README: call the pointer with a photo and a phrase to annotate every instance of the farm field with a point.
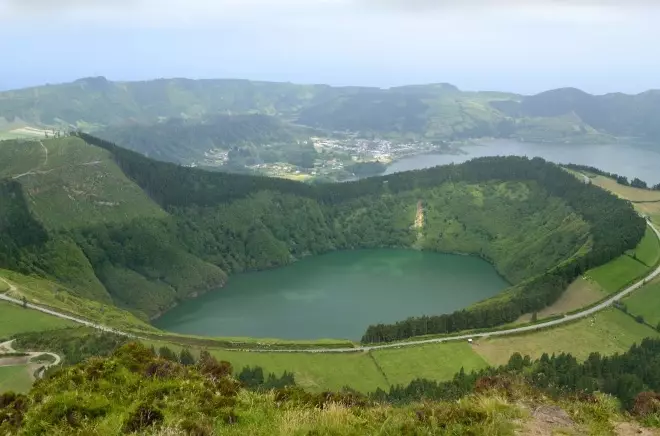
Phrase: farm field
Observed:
(15, 319)
(581, 293)
(434, 362)
(627, 192)
(14, 378)
(645, 302)
(316, 372)
(625, 269)
(648, 251)
(607, 332)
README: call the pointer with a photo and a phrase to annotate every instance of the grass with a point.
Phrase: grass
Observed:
(434, 362)
(622, 271)
(607, 332)
(79, 186)
(581, 293)
(47, 293)
(627, 192)
(364, 372)
(14, 319)
(648, 251)
(616, 274)
(14, 378)
(313, 371)
(645, 302)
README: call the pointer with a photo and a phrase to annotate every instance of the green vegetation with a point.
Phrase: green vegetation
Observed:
(433, 362)
(648, 251)
(14, 319)
(134, 391)
(645, 302)
(196, 227)
(15, 379)
(435, 111)
(607, 332)
(230, 141)
(615, 275)
(73, 344)
(49, 294)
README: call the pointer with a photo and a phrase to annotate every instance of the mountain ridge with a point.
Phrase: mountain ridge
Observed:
(437, 111)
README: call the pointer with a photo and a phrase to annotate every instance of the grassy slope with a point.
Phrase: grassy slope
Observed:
(46, 293)
(71, 186)
(581, 293)
(15, 319)
(607, 332)
(14, 378)
(80, 185)
(623, 270)
(433, 362)
(646, 302)
(315, 372)
(648, 250)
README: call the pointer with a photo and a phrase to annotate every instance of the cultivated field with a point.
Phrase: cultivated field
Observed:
(606, 332)
(615, 275)
(316, 372)
(434, 362)
(362, 371)
(15, 319)
(14, 378)
(627, 192)
(581, 293)
(646, 303)
(648, 250)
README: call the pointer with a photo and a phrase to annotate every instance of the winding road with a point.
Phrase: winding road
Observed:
(6, 347)
(529, 328)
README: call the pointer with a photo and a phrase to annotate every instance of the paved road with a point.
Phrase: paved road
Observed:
(6, 347)
(101, 327)
(524, 329)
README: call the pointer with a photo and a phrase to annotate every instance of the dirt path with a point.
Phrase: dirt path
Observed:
(419, 218)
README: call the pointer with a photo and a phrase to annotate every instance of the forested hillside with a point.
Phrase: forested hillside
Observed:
(431, 112)
(188, 228)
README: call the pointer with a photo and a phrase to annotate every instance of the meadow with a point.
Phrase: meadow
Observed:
(14, 319)
(607, 332)
(627, 268)
(14, 378)
(645, 302)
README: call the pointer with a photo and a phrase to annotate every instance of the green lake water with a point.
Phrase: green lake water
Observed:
(336, 295)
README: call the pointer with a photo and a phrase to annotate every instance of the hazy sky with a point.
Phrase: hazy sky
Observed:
(515, 45)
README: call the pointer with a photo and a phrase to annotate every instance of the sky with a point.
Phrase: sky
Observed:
(524, 46)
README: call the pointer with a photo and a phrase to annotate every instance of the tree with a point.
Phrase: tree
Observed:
(638, 183)
(186, 358)
(639, 319)
(168, 354)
